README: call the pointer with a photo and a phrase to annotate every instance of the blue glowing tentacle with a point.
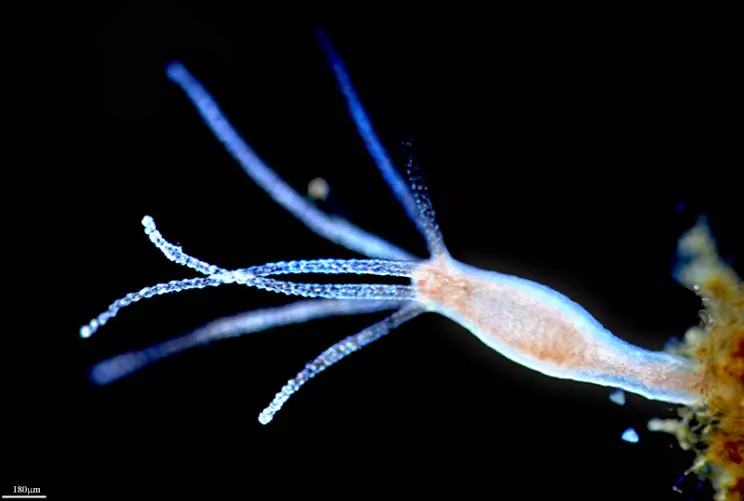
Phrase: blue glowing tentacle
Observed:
(338, 291)
(336, 353)
(367, 132)
(432, 233)
(380, 267)
(254, 277)
(247, 277)
(228, 327)
(91, 327)
(176, 254)
(335, 229)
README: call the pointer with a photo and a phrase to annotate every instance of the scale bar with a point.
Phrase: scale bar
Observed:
(27, 496)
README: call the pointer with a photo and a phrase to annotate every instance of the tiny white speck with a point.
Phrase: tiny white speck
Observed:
(630, 435)
(617, 397)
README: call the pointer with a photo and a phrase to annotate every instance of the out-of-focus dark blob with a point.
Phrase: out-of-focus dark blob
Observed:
(134, 44)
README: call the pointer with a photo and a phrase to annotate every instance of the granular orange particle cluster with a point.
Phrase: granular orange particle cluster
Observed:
(714, 427)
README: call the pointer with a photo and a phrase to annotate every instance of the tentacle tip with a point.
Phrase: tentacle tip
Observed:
(148, 222)
(116, 368)
(99, 374)
(265, 418)
(321, 36)
(175, 70)
(86, 331)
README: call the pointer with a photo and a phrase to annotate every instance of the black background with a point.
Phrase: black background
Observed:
(575, 160)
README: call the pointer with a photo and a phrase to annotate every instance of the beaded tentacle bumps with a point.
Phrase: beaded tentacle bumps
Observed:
(525, 321)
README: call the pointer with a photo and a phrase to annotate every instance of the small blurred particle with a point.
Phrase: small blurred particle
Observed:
(318, 189)
(617, 397)
(630, 435)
